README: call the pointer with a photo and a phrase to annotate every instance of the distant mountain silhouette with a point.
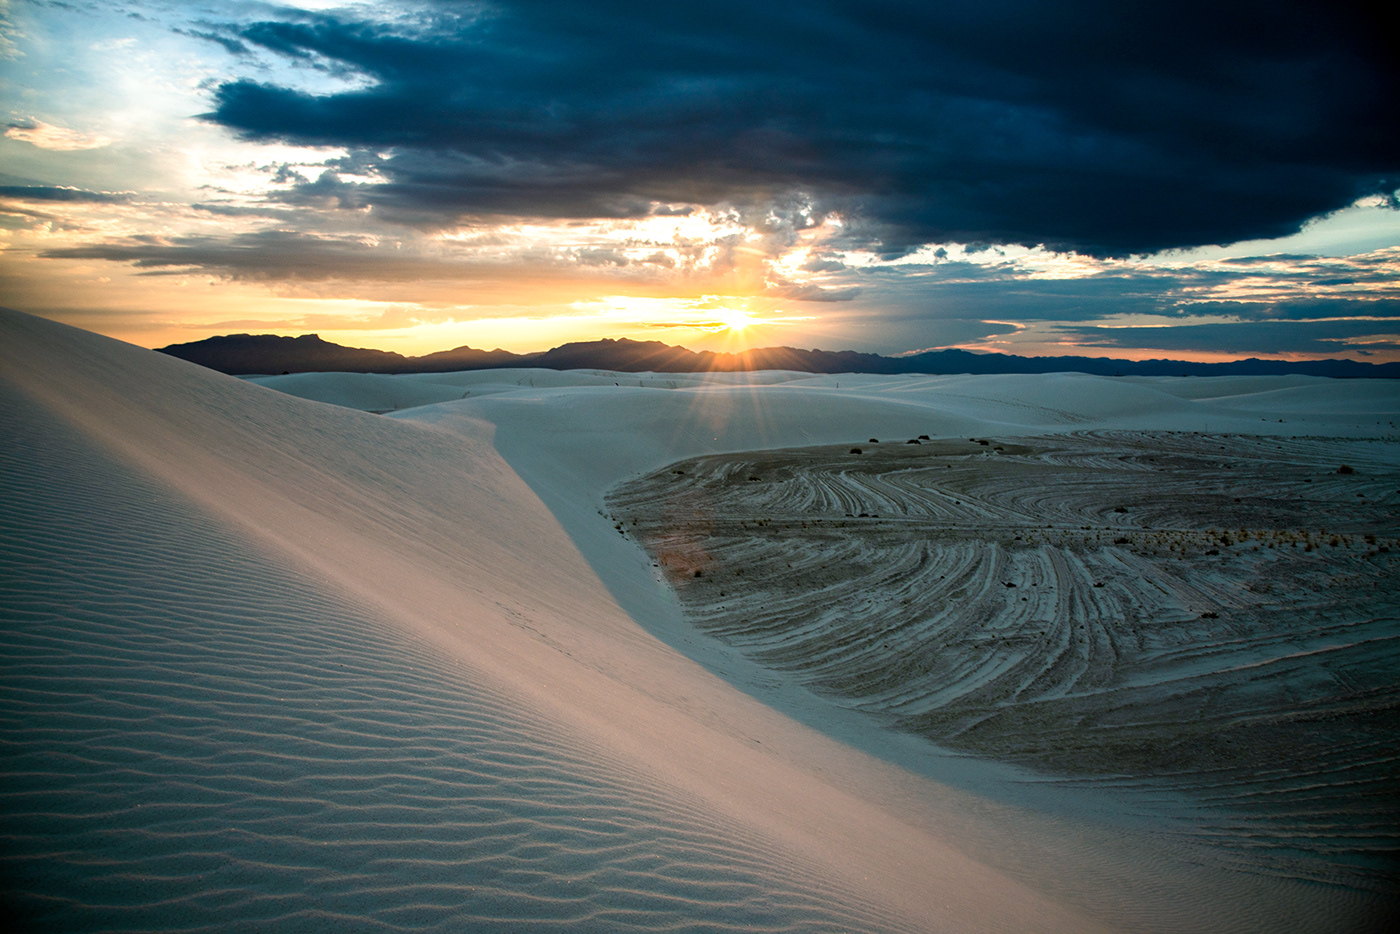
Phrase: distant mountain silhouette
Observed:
(263, 354)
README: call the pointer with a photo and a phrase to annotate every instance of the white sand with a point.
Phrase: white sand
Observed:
(271, 661)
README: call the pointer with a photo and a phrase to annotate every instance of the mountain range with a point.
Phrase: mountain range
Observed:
(267, 354)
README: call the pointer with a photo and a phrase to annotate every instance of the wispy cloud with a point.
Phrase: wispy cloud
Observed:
(57, 138)
(63, 193)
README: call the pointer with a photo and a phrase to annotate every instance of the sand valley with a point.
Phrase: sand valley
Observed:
(1168, 612)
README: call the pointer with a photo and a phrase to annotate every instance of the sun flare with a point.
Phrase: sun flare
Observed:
(731, 319)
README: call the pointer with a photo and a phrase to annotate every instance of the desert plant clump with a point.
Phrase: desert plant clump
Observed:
(1346, 468)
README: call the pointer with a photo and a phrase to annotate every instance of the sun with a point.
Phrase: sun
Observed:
(735, 320)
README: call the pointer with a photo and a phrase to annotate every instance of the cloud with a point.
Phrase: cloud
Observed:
(1335, 338)
(1305, 309)
(1328, 305)
(63, 193)
(9, 48)
(951, 332)
(271, 255)
(56, 138)
(231, 44)
(1104, 128)
(813, 293)
(345, 261)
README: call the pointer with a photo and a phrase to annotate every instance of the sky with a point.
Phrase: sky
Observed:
(1194, 180)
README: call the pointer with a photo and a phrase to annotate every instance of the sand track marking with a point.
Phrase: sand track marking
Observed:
(1212, 616)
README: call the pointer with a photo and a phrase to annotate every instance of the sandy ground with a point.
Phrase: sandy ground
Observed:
(1160, 612)
(274, 663)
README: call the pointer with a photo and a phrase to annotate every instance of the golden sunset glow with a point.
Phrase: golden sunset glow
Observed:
(737, 320)
(161, 185)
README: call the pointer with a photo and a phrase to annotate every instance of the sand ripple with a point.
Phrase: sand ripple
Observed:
(192, 737)
(1210, 622)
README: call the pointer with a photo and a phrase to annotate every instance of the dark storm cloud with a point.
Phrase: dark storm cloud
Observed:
(1099, 126)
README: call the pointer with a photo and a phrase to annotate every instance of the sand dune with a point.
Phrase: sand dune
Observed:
(275, 663)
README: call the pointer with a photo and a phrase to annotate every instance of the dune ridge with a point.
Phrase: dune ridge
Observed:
(194, 559)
